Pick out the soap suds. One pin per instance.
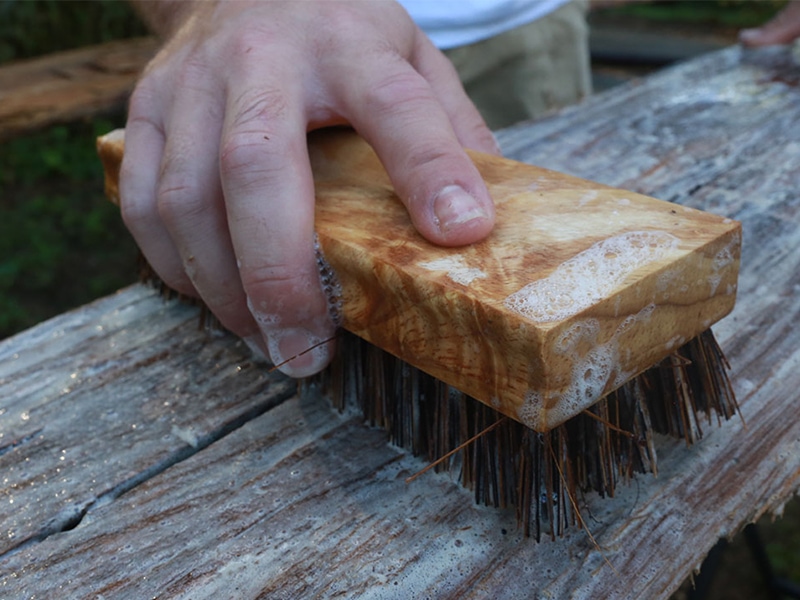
(329, 282)
(590, 374)
(721, 261)
(590, 276)
(455, 268)
(264, 319)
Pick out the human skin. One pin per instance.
(216, 186)
(783, 29)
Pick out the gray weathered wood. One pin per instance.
(300, 502)
(98, 399)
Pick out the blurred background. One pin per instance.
(62, 245)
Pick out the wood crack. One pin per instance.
(70, 517)
(19, 441)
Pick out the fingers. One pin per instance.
(783, 29)
(396, 110)
(191, 205)
(268, 186)
(216, 184)
(139, 174)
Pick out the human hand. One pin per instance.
(784, 28)
(216, 186)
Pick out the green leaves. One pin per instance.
(62, 243)
(31, 28)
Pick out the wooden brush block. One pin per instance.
(579, 287)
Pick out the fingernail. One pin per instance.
(296, 353)
(453, 207)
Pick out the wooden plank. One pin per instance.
(578, 289)
(195, 530)
(70, 85)
(302, 503)
(95, 400)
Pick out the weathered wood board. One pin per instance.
(70, 85)
(336, 517)
(579, 288)
(98, 399)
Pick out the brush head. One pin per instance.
(579, 288)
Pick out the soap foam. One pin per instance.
(590, 374)
(456, 269)
(721, 261)
(329, 282)
(589, 276)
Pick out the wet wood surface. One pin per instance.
(141, 457)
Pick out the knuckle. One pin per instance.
(135, 214)
(178, 191)
(401, 92)
(138, 210)
(258, 107)
(278, 294)
(247, 152)
(431, 155)
(260, 281)
(178, 199)
(239, 151)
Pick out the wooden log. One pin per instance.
(579, 288)
(70, 85)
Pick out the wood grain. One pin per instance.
(70, 85)
(578, 288)
(61, 429)
(302, 503)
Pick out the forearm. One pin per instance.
(164, 17)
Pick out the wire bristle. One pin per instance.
(511, 466)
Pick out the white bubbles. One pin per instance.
(590, 276)
(261, 317)
(595, 363)
(329, 282)
(721, 262)
(532, 412)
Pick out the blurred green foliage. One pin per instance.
(33, 27)
(725, 13)
(61, 243)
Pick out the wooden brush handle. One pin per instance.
(579, 287)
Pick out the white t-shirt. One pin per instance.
(451, 23)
